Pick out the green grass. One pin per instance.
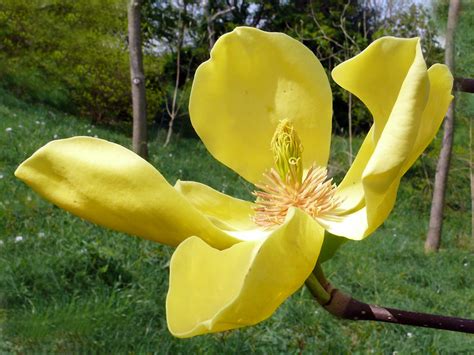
(70, 286)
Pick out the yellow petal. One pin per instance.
(229, 213)
(253, 80)
(377, 74)
(109, 185)
(212, 290)
(441, 84)
(408, 104)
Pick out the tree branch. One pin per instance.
(345, 306)
(464, 85)
(222, 12)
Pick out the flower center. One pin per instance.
(284, 186)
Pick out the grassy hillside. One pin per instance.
(70, 286)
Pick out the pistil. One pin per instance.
(287, 186)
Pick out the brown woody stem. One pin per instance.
(344, 306)
(464, 85)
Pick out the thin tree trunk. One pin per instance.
(173, 112)
(138, 79)
(433, 239)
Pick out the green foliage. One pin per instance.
(68, 54)
(464, 59)
(335, 31)
(415, 21)
(72, 287)
(73, 54)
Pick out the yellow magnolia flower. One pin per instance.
(262, 105)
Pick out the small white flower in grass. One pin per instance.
(8, 129)
(170, 155)
(1, 243)
(37, 122)
(20, 126)
(55, 136)
(18, 239)
(41, 235)
(1, 176)
(89, 131)
(465, 264)
(409, 335)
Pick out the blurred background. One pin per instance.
(73, 55)
(69, 286)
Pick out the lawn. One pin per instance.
(70, 286)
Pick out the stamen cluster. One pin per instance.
(315, 195)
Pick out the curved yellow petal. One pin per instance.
(441, 85)
(109, 185)
(229, 213)
(253, 80)
(408, 104)
(212, 290)
(377, 74)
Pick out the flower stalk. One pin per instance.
(344, 306)
(317, 290)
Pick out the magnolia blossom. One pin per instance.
(262, 105)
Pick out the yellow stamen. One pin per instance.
(284, 186)
(315, 195)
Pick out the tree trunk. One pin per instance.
(137, 79)
(433, 239)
